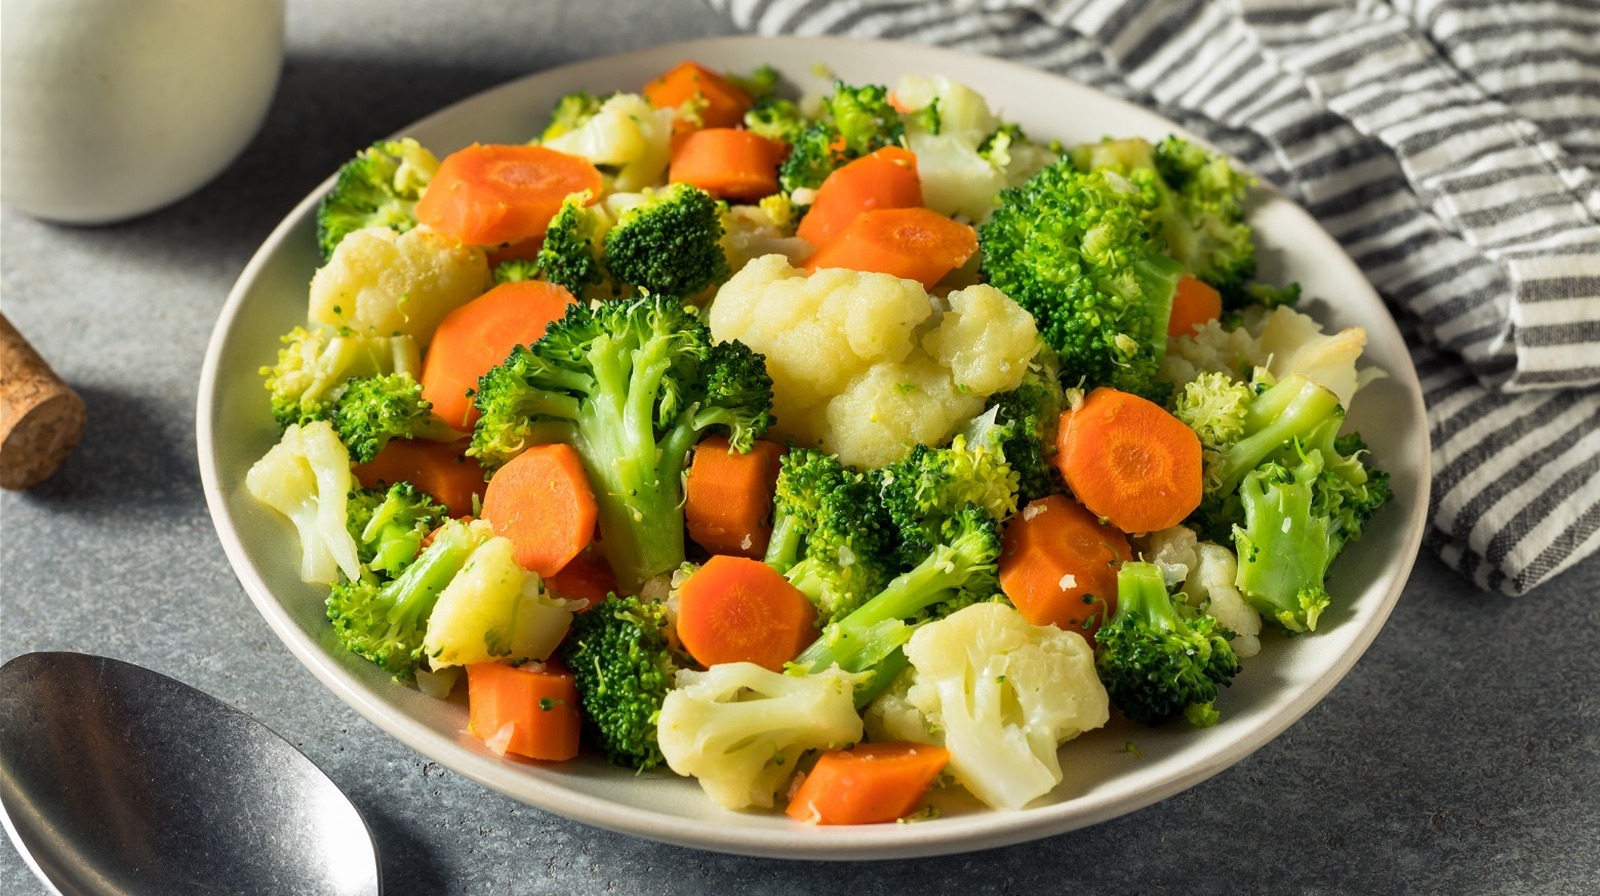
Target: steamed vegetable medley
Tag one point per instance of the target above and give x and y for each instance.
(824, 449)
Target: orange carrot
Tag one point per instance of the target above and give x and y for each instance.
(867, 784)
(480, 334)
(541, 501)
(728, 497)
(495, 194)
(1195, 302)
(914, 243)
(585, 577)
(734, 609)
(529, 710)
(885, 178)
(1129, 461)
(713, 101)
(727, 163)
(522, 250)
(1058, 564)
(441, 469)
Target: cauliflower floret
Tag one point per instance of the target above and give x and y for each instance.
(1210, 587)
(1212, 348)
(749, 232)
(306, 477)
(628, 134)
(382, 283)
(1000, 694)
(1172, 550)
(741, 729)
(863, 364)
(493, 609)
(1294, 343)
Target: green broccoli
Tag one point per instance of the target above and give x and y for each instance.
(370, 411)
(569, 113)
(384, 619)
(776, 118)
(515, 270)
(960, 570)
(571, 252)
(1156, 657)
(925, 490)
(762, 83)
(854, 121)
(1071, 247)
(669, 244)
(380, 186)
(624, 666)
(632, 385)
(389, 525)
(314, 364)
(830, 535)
(1021, 425)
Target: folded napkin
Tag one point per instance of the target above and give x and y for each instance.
(1451, 146)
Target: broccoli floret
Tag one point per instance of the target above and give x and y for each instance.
(925, 490)
(1300, 509)
(385, 619)
(830, 535)
(315, 363)
(389, 525)
(569, 113)
(959, 571)
(371, 411)
(1021, 425)
(1157, 658)
(380, 186)
(623, 665)
(632, 385)
(515, 270)
(854, 121)
(760, 84)
(1071, 247)
(572, 248)
(669, 244)
(776, 118)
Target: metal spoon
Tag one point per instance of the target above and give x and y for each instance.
(116, 779)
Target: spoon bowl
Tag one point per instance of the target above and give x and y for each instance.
(117, 779)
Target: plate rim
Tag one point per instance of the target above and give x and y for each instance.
(960, 834)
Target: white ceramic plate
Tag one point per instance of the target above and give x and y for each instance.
(1103, 779)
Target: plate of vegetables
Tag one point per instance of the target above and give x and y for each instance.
(747, 442)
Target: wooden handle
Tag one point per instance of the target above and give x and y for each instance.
(41, 418)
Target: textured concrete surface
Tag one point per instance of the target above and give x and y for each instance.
(1460, 756)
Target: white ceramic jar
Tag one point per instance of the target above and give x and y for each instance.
(113, 108)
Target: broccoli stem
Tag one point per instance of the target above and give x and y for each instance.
(412, 594)
(1291, 409)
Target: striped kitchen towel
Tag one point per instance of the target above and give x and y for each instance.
(1451, 146)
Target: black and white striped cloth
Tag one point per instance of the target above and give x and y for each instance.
(1451, 146)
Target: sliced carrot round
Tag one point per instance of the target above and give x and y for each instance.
(1058, 564)
(884, 178)
(497, 194)
(1129, 461)
(541, 500)
(728, 163)
(734, 609)
(913, 243)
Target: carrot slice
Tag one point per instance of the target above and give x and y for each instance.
(884, 178)
(585, 577)
(727, 163)
(496, 194)
(1194, 303)
(867, 784)
(728, 497)
(541, 500)
(734, 609)
(441, 469)
(480, 334)
(714, 100)
(1058, 564)
(914, 243)
(1129, 461)
(528, 711)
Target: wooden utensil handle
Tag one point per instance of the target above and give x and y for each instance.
(41, 417)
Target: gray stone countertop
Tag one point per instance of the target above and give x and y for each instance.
(1461, 755)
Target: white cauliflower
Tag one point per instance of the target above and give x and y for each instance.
(626, 134)
(1000, 694)
(382, 283)
(863, 364)
(306, 477)
(1281, 342)
(965, 156)
(1172, 550)
(493, 609)
(741, 729)
(1210, 587)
